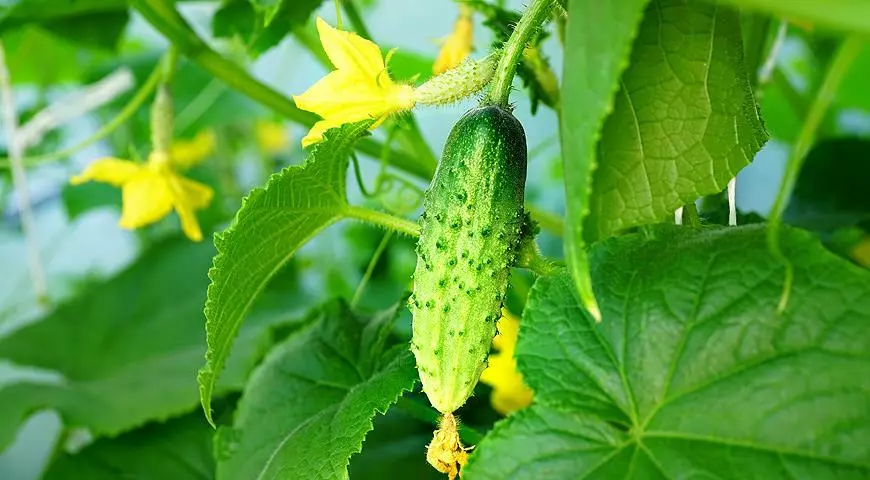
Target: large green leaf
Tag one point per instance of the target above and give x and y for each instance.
(594, 60)
(127, 348)
(692, 373)
(310, 404)
(273, 223)
(684, 122)
(847, 15)
(180, 449)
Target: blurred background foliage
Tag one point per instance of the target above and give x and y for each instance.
(101, 374)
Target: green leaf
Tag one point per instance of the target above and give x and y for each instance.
(90, 23)
(127, 348)
(80, 199)
(407, 66)
(180, 449)
(594, 60)
(831, 191)
(684, 121)
(692, 373)
(310, 404)
(17, 12)
(394, 446)
(290, 12)
(240, 17)
(97, 30)
(273, 223)
(846, 15)
(67, 60)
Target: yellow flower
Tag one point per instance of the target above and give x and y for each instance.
(359, 88)
(509, 392)
(457, 46)
(271, 136)
(150, 191)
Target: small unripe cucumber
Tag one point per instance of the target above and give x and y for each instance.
(470, 229)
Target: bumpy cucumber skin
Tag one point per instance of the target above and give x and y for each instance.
(470, 229)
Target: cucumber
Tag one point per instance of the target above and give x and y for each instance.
(470, 228)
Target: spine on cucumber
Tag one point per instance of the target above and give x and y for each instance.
(470, 228)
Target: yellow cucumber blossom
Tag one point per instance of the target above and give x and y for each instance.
(457, 46)
(359, 88)
(509, 393)
(151, 190)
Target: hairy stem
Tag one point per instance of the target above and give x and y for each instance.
(538, 12)
(385, 220)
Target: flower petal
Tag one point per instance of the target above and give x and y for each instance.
(341, 98)
(349, 51)
(113, 171)
(457, 47)
(146, 199)
(315, 135)
(509, 393)
(187, 153)
(189, 196)
(345, 98)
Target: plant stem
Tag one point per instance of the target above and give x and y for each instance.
(376, 256)
(161, 14)
(690, 215)
(731, 195)
(529, 256)
(547, 220)
(135, 103)
(19, 180)
(837, 69)
(200, 104)
(355, 18)
(390, 222)
(538, 12)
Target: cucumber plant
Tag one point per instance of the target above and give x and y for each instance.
(568, 290)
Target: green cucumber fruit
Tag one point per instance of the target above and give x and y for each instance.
(470, 228)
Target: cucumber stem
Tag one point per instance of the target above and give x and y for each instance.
(382, 219)
(538, 12)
